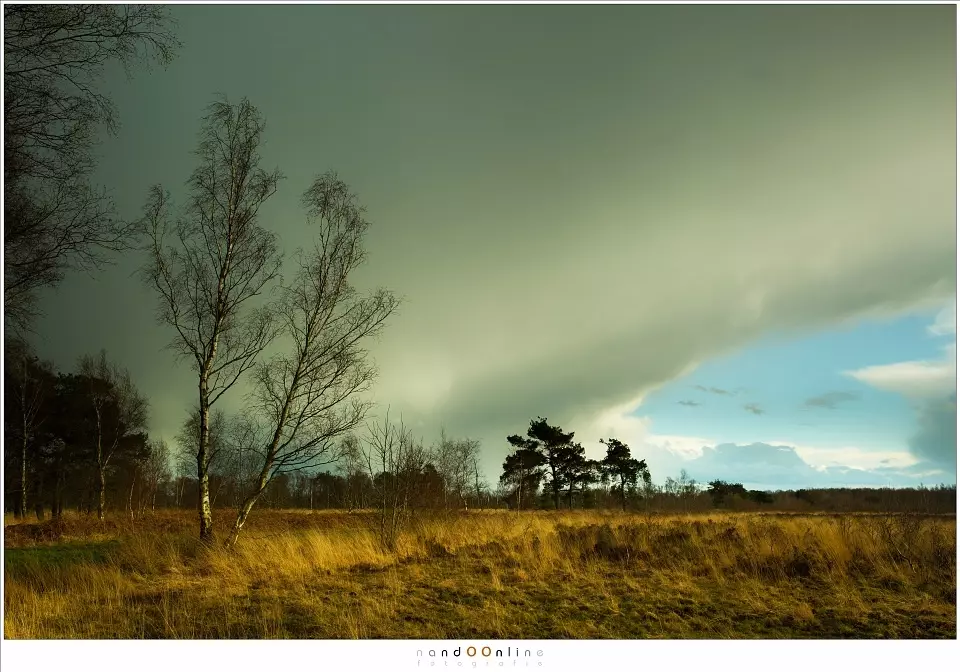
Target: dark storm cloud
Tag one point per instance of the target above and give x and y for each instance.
(574, 216)
(936, 437)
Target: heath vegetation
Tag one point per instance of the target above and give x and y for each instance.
(485, 574)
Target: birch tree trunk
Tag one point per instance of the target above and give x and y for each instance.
(248, 505)
(101, 499)
(23, 475)
(133, 483)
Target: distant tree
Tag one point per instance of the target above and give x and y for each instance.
(67, 455)
(720, 491)
(575, 469)
(592, 474)
(119, 411)
(358, 487)
(682, 487)
(327, 490)
(54, 219)
(688, 486)
(623, 469)
(209, 265)
(130, 461)
(760, 496)
(28, 388)
(232, 448)
(717, 489)
(480, 487)
(93, 437)
(455, 460)
(187, 439)
(156, 469)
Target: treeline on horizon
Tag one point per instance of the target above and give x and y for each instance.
(86, 450)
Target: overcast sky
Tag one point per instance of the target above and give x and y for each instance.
(725, 235)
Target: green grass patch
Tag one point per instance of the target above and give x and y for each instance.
(53, 558)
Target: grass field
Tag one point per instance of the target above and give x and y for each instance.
(493, 575)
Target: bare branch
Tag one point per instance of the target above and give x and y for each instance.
(54, 219)
(311, 394)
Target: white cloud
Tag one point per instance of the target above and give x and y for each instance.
(931, 472)
(851, 456)
(766, 465)
(662, 453)
(686, 447)
(945, 323)
(913, 379)
(922, 378)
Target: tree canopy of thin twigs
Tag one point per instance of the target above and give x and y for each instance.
(311, 394)
(55, 219)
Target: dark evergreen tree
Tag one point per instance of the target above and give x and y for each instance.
(555, 448)
(624, 470)
(575, 469)
(523, 469)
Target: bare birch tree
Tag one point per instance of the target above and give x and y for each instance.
(209, 265)
(354, 472)
(118, 408)
(454, 460)
(310, 395)
(480, 487)
(392, 458)
(156, 471)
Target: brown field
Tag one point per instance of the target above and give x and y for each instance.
(495, 575)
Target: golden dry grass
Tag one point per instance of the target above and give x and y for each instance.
(489, 575)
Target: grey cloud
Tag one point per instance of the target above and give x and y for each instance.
(754, 408)
(936, 438)
(714, 390)
(830, 400)
(688, 402)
